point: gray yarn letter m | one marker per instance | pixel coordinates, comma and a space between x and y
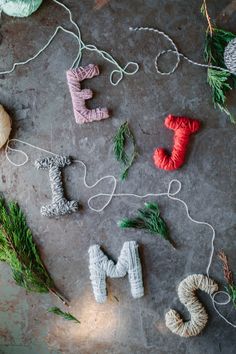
101, 267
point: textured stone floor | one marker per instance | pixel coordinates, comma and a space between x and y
37, 97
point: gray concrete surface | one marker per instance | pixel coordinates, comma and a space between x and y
38, 99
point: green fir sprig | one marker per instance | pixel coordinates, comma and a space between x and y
148, 218
220, 81
18, 250
121, 139
66, 315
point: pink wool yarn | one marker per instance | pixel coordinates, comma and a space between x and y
79, 96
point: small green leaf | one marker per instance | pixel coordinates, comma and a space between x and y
231, 288
120, 140
66, 315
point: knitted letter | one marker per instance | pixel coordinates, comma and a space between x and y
101, 267
186, 293
78, 96
60, 205
183, 127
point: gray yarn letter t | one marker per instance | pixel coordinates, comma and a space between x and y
59, 205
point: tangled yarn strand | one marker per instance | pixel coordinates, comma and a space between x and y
90, 47
70, 16
40, 51
78, 57
108, 57
174, 51
170, 194
21, 152
163, 52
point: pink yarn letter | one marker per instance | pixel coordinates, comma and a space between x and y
78, 96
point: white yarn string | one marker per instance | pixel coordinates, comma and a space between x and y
120, 71
112, 194
176, 52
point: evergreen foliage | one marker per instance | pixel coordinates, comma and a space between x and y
66, 315
148, 218
17, 248
220, 81
121, 139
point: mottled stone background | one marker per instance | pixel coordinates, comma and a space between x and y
37, 97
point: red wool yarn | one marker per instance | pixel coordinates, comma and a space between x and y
183, 127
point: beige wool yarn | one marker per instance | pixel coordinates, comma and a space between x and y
198, 315
5, 126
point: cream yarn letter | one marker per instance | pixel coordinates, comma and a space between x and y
187, 296
101, 267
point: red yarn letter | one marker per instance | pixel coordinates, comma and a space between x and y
78, 96
183, 127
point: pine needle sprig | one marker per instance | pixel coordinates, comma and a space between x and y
120, 140
17, 248
148, 218
228, 275
215, 46
66, 315
220, 81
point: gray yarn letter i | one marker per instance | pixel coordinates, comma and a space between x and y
59, 205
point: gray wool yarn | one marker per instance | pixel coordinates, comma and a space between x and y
230, 56
101, 267
59, 205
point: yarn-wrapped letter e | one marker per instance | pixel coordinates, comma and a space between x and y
78, 96
186, 293
183, 127
101, 267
